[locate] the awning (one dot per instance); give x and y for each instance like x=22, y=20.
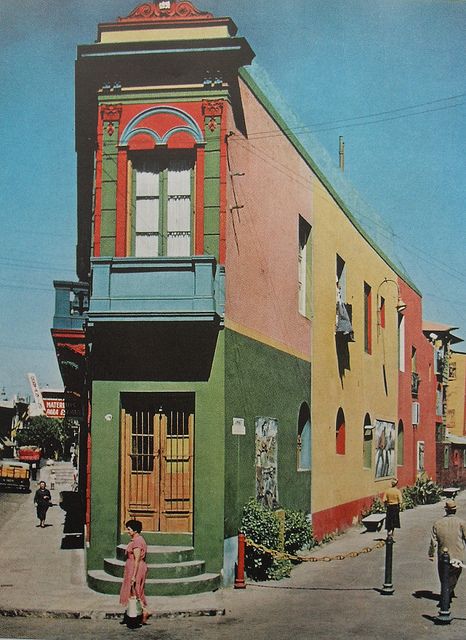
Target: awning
x=461, y=440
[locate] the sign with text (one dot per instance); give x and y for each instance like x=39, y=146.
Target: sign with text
x=62, y=407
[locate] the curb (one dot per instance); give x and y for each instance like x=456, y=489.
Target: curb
x=102, y=615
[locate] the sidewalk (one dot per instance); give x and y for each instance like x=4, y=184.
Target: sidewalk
x=38, y=578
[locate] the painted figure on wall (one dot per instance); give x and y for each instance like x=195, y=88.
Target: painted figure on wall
x=384, y=449
x=266, y=461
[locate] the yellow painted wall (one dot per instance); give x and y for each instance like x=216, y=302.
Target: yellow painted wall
x=456, y=394
x=338, y=479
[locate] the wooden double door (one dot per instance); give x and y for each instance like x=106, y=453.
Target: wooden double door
x=157, y=461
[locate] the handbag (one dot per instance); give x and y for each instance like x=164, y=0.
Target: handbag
x=133, y=614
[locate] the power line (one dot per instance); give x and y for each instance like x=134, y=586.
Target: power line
x=318, y=125
x=451, y=271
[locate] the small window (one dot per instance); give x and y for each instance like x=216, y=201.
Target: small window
x=367, y=318
x=367, y=442
x=304, y=267
x=340, y=433
x=420, y=456
x=304, y=438
x=446, y=457
x=401, y=341
x=341, y=279
x=382, y=312
x=400, y=444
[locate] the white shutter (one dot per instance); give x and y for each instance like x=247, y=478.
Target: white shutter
x=179, y=208
x=416, y=413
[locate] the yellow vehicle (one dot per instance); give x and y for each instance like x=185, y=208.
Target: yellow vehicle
x=14, y=474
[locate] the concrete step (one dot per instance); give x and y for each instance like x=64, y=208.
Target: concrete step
x=161, y=554
x=166, y=570
x=101, y=581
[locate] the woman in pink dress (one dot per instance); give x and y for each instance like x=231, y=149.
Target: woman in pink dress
x=135, y=573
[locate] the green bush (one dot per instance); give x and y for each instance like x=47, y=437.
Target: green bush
x=298, y=531
x=262, y=526
x=423, y=491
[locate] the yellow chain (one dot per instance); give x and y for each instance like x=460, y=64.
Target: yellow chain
x=282, y=555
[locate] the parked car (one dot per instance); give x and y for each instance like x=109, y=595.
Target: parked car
x=15, y=474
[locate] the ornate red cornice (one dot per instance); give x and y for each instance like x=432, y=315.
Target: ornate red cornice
x=165, y=10
x=110, y=113
x=212, y=109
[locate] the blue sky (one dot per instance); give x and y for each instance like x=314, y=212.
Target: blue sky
x=387, y=75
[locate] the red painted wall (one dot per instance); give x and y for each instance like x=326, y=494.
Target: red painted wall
x=338, y=518
x=425, y=431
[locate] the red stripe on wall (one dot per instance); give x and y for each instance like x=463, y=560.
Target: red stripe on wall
x=223, y=189
x=338, y=518
x=199, y=212
x=98, y=191
x=121, y=203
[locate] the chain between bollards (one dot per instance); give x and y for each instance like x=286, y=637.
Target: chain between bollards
x=444, y=616
x=387, y=589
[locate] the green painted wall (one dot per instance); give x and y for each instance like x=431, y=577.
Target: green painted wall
x=109, y=182
x=262, y=381
x=208, y=461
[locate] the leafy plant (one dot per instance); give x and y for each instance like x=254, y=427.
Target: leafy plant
x=262, y=526
x=298, y=531
x=423, y=491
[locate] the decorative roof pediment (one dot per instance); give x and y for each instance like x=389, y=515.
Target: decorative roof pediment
x=165, y=10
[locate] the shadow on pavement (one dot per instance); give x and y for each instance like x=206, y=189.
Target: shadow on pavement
x=428, y=595
x=266, y=586
x=73, y=529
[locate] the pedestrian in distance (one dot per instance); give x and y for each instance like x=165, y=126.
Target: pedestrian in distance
x=42, y=500
x=134, y=576
x=449, y=533
x=393, y=501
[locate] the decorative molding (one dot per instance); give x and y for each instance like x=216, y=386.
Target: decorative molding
x=110, y=113
x=212, y=109
x=80, y=349
x=189, y=125
x=165, y=10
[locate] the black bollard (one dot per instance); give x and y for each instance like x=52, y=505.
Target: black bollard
x=387, y=589
x=444, y=617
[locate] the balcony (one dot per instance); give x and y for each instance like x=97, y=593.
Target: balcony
x=71, y=305
x=162, y=289
x=415, y=380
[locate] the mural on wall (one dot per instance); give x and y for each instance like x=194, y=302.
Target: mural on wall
x=384, y=449
x=266, y=461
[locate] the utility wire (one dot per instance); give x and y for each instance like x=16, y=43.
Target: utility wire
x=388, y=232
x=321, y=126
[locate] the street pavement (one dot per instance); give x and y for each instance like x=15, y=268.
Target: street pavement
x=337, y=598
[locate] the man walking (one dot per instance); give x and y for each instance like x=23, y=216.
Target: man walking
x=449, y=533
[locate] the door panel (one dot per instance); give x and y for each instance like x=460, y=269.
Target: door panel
x=157, y=465
x=176, y=473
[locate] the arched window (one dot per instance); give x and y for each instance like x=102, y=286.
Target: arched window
x=367, y=442
x=304, y=438
x=340, y=433
x=400, y=441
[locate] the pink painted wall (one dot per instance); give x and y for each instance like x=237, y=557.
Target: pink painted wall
x=426, y=396
x=262, y=236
